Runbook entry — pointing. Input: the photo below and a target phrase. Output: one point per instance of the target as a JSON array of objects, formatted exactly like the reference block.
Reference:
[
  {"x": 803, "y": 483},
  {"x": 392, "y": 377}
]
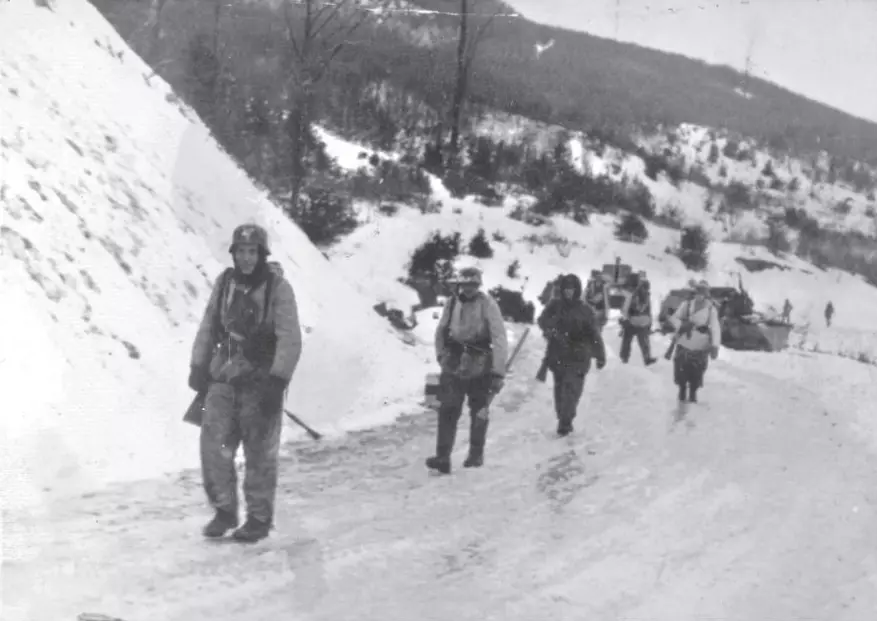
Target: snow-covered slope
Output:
[
  {"x": 375, "y": 255},
  {"x": 117, "y": 210},
  {"x": 708, "y": 162}
]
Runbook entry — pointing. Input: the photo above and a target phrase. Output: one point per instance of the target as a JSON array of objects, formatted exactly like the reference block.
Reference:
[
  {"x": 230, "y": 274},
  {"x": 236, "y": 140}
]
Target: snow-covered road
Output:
[{"x": 758, "y": 505}]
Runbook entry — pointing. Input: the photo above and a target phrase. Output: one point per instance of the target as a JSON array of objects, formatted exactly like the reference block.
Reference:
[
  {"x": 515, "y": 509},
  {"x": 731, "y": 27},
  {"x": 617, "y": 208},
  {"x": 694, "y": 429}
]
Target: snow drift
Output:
[{"x": 118, "y": 208}]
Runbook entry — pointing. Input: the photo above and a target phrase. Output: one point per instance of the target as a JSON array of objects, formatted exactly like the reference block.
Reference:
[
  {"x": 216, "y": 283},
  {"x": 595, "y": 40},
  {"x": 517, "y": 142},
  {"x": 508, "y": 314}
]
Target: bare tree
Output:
[
  {"x": 467, "y": 47},
  {"x": 317, "y": 31}
]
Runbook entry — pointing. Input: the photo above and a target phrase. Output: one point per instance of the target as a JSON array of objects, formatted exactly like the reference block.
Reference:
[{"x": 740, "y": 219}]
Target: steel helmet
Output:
[
  {"x": 470, "y": 275},
  {"x": 250, "y": 234}
]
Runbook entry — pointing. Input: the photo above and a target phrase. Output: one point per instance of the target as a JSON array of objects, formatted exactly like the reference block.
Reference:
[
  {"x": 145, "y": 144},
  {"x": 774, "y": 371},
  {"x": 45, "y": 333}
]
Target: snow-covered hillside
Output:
[
  {"x": 710, "y": 163},
  {"x": 370, "y": 258},
  {"x": 375, "y": 256},
  {"x": 117, "y": 211}
]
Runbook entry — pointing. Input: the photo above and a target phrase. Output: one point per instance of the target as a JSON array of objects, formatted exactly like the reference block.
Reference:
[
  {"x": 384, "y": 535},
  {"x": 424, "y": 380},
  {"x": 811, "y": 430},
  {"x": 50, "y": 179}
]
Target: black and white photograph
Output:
[{"x": 438, "y": 310}]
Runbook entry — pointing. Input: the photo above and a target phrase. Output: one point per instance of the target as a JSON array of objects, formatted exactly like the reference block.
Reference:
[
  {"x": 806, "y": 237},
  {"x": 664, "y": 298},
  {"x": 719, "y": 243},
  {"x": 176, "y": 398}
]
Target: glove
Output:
[
  {"x": 496, "y": 384},
  {"x": 601, "y": 363},
  {"x": 442, "y": 358},
  {"x": 272, "y": 398},
  {"x": 199, "y": 378},
  {"x": 714, "y": 353}
]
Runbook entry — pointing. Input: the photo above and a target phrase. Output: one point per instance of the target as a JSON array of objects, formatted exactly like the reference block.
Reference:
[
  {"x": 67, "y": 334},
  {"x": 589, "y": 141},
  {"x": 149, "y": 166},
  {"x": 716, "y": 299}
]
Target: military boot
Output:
[
  {"x": 564, "y": 427},
  {"x": 252, "y": 531},
  {"x": 475, "y": 458},
  {"x": 221, "y": 523},
  {"x": 446, "y": 435},
  {"x": 439, "y": 463},
  {"x": 477, "y": 439}
]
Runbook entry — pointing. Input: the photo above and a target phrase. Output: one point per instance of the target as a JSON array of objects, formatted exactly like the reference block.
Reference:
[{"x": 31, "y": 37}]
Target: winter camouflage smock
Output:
[
  {"x": 215, "y": 345},
  {"x": 476, "y": 323},
  {"x": 706, "y": 331}
]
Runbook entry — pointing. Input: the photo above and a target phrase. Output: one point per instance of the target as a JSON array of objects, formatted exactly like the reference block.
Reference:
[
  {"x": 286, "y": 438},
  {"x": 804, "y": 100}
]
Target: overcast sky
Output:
[{"x": 824, "y": 49}]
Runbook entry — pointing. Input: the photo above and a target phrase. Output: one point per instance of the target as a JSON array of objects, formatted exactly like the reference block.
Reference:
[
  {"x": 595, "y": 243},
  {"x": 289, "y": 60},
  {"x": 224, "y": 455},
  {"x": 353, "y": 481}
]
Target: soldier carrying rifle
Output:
[
  {"x": 471, "y": 347},
  {"x": 697, "y": 338},
  {"x": 573, "y": 334}
]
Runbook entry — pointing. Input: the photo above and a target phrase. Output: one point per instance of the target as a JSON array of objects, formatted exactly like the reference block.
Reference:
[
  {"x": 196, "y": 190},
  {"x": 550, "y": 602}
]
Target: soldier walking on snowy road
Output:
[
  {"x": 636, "y": 321},
  {"x": 244, "y": 355},
  {"x": 698, "y": 337},
  {"x": 574, "y": 337},
  {"x": 597, "y": 296},
  {"x": 787, "y": 311},
  {"x": 471, "y": 346}
]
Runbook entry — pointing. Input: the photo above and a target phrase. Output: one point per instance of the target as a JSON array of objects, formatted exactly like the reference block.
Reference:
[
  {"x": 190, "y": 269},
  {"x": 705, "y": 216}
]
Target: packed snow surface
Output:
[{"x": 756, "y": 503}]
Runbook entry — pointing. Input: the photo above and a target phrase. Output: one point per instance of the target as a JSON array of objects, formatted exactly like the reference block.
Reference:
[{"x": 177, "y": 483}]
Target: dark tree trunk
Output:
[{"x": 460, "y": 90}]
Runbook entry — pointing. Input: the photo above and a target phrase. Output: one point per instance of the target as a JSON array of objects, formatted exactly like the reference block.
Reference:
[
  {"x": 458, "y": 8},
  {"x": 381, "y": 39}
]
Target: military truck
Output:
[{"x": 619, "y": 282}]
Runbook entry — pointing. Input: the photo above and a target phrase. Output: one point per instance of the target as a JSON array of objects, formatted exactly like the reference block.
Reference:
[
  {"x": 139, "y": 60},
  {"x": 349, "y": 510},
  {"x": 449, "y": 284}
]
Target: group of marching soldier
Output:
[
  {"x": 249, "y": 343},
  {"x": 471, "y": 348}
]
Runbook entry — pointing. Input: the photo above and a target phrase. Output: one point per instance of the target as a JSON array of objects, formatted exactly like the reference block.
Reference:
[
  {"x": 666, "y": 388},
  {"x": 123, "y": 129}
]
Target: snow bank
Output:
[{"x": 118, "y": 207}]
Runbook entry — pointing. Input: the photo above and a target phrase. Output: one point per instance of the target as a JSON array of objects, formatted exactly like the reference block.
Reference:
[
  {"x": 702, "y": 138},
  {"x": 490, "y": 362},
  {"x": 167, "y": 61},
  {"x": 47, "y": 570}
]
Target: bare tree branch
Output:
[
  {"x": 473, "y": 46},
  {"x": 290, "y": 31},
  {"x": 317, "y": 32},
  {"x": 466, "y": 49},
  {"x": 333, "y": 11}
]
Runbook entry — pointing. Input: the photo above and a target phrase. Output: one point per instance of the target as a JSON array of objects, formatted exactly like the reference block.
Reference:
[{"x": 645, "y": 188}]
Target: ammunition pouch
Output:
[
  {"x": 468, "y": 360},
  {"x": 237, "y": 359}
]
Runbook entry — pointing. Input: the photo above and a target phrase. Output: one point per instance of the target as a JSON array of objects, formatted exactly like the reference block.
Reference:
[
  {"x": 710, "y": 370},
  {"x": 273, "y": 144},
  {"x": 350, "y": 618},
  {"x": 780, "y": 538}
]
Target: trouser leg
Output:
[
  {"x": 558, "y": 390},
  {"x": 698, "y": 365},
  {"x": 626, "y": 341},
  {"x": 572, "y": 385},
  {"x": 220, "y": 438},
  {"x": 643, "y": 339},
  {"x": 478, "y": 393},
  {"x": 679, "y": 371},
  {"x": 261, "y": 439},
  {"x": 688, "y": 370},
  {"x": 453, "y": 395}
]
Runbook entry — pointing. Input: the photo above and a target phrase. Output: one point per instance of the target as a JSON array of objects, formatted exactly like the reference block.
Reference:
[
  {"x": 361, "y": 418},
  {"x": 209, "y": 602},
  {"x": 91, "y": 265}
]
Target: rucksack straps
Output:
[
  {"x": 220, "y": 301},
  {"x": 269, "y": 289},
  {"x": 223, "y": 295}
]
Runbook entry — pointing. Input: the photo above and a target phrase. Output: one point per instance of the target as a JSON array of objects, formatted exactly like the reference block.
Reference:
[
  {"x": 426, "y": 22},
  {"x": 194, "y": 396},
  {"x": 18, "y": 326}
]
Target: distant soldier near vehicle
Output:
[
  {"x": 636, "y": 320},
  {"x": 597, "y": 296},
  {"x": 245, "y": 353},
  {"x": 471, "y": 347},
  {"x": 787, "y": 311},
  {"x": 829, "y": 313},
  {"x": 697, "y": 338},
  {"x": 573, "y": 333}
]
